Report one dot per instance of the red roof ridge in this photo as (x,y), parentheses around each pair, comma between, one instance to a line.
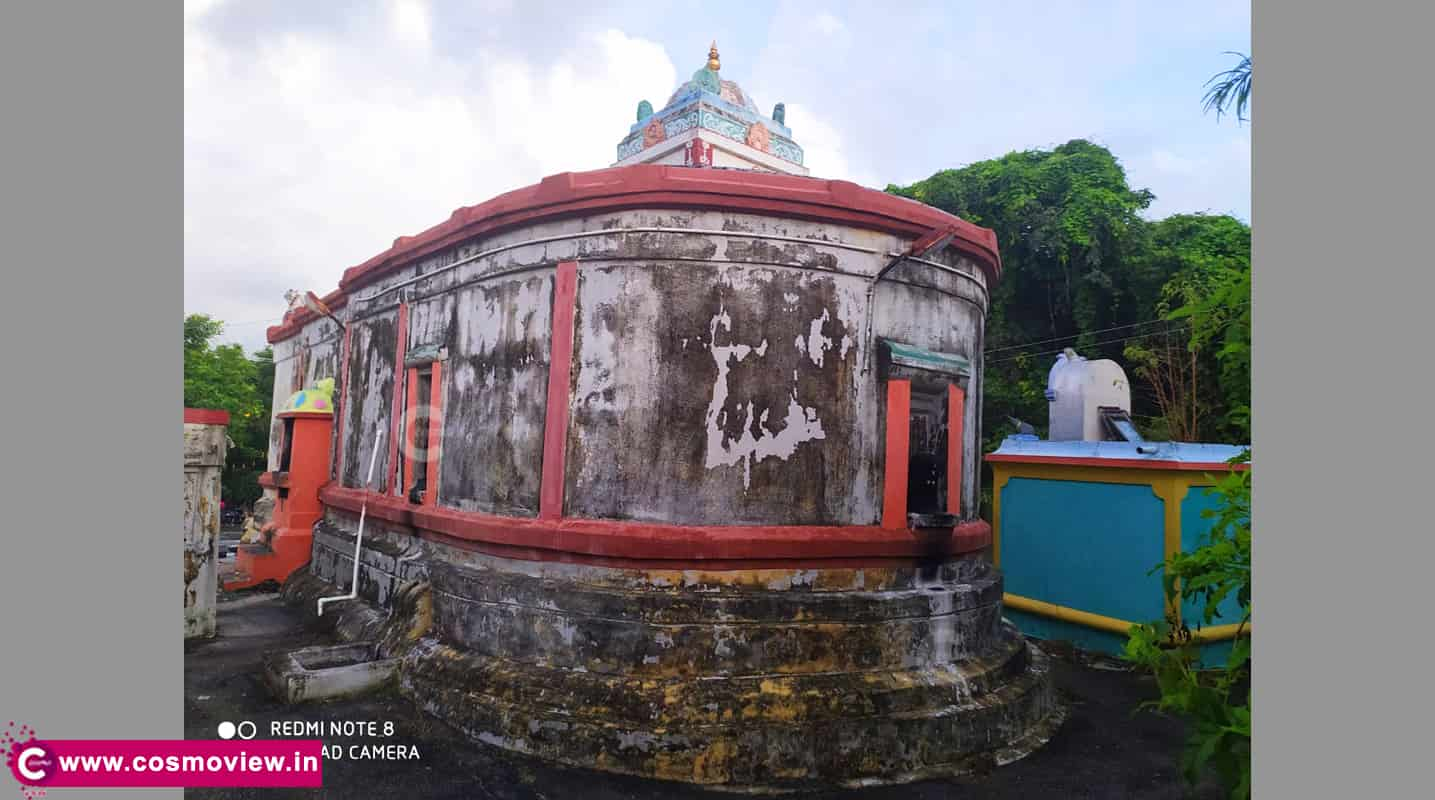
(569,194)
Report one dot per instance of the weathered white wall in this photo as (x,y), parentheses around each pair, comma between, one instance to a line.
(717,378)
(316,350)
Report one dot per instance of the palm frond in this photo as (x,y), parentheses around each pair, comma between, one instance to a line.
(1230,88)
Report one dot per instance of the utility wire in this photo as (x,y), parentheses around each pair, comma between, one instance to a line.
(1093,333)
(1177,327)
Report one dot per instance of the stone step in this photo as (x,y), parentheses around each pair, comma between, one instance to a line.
(680,702)
(766,753)
(956,590)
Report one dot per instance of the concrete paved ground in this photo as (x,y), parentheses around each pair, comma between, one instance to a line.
(1103,750)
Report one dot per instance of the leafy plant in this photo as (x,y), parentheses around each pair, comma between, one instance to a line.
(1082,268)
(1231,88)
(222,376)
(1170,370)
(1216,703)
(1220,318)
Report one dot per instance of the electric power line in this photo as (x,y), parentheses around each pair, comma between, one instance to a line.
(1106,341)
(1095,332)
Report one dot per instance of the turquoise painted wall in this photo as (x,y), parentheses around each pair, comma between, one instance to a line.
(1089,639)
(1193,530)
(1088,546)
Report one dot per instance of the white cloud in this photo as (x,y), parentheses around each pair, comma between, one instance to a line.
(824,153)
(1166,161)
(1210,177)
(307,154)
(314,136)
(194,9)
(410,20)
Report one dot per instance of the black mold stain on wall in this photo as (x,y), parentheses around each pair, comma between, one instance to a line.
(652,461)
(369,398)
(496,397)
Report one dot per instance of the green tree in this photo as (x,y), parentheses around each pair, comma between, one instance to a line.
(1205,261)
(1082,269)
(222,376)
(1065,221)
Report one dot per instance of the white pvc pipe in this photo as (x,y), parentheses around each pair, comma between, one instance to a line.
(358,537)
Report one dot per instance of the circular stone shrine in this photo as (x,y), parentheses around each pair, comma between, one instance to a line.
(673,470)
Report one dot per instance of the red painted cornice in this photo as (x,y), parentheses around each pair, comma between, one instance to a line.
(571,194)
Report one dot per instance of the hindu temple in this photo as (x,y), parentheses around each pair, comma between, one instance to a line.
(667,469)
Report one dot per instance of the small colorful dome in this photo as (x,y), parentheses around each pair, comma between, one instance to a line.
(708,79)
(318,398)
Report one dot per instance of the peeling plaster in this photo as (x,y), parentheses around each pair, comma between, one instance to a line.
(801,423)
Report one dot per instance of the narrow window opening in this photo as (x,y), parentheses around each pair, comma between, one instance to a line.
(286,454)
(419,447)
(927,449)
(414,469)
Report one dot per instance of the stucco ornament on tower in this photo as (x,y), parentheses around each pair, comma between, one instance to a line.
(758,137)
(722,114)
(654,133)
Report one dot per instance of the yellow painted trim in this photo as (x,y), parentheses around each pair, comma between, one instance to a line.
(1169,486)
(1172,492)
(1218,633)
(1077,616)
(1000,476)
(1099,622)
(1087,474)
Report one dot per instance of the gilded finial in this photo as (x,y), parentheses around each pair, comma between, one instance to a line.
(713,63)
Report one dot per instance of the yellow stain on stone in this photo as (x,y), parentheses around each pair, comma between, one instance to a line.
(423,617)
(784,712)
(713,764)
(669,768)
(769,686)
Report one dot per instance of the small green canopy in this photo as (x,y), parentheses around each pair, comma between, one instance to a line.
(906,355)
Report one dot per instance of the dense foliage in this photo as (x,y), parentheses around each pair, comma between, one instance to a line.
(1083,269)
(1170,300)
(1215,702)
(222,376)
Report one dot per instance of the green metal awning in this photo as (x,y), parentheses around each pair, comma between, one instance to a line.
(906,355)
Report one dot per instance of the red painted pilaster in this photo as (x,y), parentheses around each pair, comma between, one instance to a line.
(956,414)
(396,416)
(899,414)
(341,408)
(555,428)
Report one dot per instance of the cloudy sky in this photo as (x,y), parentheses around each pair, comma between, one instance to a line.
(316,133)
